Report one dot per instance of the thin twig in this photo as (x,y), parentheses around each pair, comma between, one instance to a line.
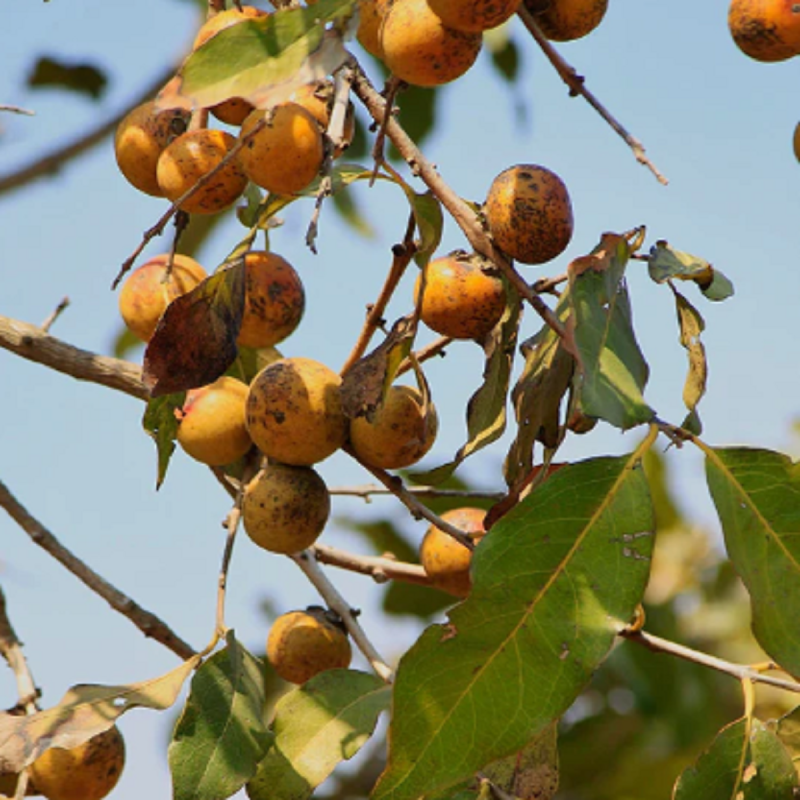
(464,216)
(342,83)
(435,348)
(18,110)
(369,489)
(158,228)
(550,285)
(577,86)
(739,671)
(51,162)
(401,257)
(393,86)
(29,342)
(54,315)
(148,623)
(380,568)
(11,650)
(330,594)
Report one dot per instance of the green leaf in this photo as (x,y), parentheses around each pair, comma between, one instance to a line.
(124,342)
(554,581)
(195,341)
(82,78)
(486,410)
(613,372)
(429,219)
(691,326)
(161,422)
(757,496)
(504,52)
(318,725)
(264,59)
(666,263)
(745,762)
(417,113)
(221,735)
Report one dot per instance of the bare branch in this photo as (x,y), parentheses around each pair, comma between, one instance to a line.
(577,86)
(369,489)
(435,348)
(54,315)
(18,110)
(11,650)
(379,568)
(149,624)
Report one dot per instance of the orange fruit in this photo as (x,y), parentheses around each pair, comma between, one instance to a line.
(766,30)
(473,16)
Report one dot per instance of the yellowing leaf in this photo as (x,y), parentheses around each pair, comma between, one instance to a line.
(691,326)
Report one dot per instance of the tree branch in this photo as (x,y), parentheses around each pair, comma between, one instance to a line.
(11,650)
(148,623)
(368,489)
(379,568)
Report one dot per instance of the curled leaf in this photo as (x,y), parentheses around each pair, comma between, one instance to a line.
(666,263)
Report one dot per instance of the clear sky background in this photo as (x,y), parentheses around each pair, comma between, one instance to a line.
(716,123)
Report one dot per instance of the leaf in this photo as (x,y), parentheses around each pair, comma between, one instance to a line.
(692,325)
(505,55)
(486,410)
(124,342)
(263,60)
(666,263)
(612,370)
(161,422)
(350,211)
(318,725)
(429,219)
(537,396)
(757,496)
(553,583)
(417,113)
(365,384)
(81,78)
(221,735)
(83,712)
(195,341)
(743,762)
(532,773)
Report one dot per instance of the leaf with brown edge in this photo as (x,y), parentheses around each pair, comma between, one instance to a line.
(691,326)
(365,384)
(161,422)
(486,409)
(84,711)
(195,341)
(666,263)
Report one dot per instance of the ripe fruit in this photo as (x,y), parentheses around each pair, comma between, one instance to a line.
(445,560)
(274,300)
(461,299)
(566,20)
(370,19)
(420,49)
(294,411)
(188,159)
(301,644)
(141,138)
(473,16)
(285,508)
(235,110)
(148,291)
(317,99)
(287,153)
(399,433)
(212,426)
(796,142)
(766,30)
(529,213)
(87,772)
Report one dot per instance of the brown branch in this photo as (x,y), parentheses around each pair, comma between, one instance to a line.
(435,348)
(401,257)
(462,213)
(740,671)
(577,86)
(11,650)
(50,163)
(26,112)
(54,315)
(369,489)
(146,621)
(379,568)
(29,342)
(330,594)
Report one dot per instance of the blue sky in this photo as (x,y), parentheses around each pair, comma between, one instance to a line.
(716,123)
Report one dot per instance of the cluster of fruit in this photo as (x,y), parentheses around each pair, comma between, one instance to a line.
(432,42)
(86,772)
(161,154)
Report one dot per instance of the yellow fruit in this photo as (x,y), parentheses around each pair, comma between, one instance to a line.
(566,20)
(191,157)
(274,300)
(287,153)
(796,142)
(294,411)
(473,16)
(399,433)
(529,213)
(232,112)
(370,19)
(766,30)
(445,560)
(317,99)
(87,772)
(420,49)
(461,299)
(285,508)
(141,138)
(146,294)
(301,644)
(212,422)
